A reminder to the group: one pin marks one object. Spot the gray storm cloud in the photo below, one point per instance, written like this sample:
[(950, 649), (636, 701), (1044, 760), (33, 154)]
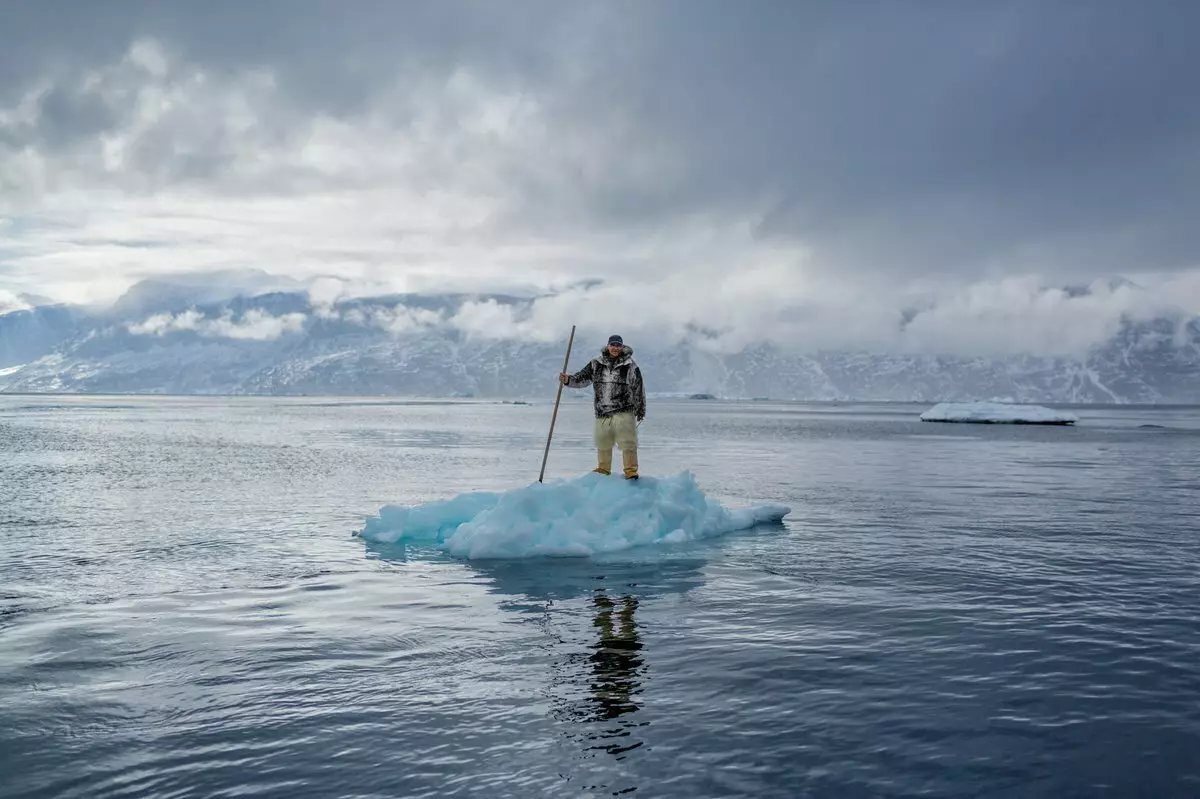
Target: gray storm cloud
[(807, 171)]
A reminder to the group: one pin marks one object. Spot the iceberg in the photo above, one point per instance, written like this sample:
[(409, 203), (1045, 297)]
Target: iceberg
[(996, 413), (580, 517)]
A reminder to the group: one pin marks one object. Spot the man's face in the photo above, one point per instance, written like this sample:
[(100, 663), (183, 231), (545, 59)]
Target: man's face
[(614, 350)]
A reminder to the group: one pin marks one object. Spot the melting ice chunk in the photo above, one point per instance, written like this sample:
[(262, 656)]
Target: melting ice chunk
[(578, 517)]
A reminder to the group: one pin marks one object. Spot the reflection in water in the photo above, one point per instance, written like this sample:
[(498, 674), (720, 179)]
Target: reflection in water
[(616, 671), (595, 647), (592, 613), (597, 689)]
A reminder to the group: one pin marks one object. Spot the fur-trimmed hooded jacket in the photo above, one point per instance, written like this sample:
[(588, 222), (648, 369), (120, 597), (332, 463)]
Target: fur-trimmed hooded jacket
[(617, 384)]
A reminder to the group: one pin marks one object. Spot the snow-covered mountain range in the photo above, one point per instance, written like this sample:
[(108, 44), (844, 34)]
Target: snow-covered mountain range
[(170, 337)]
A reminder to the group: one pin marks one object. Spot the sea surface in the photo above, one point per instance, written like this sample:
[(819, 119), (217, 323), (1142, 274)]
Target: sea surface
[(949, 610)]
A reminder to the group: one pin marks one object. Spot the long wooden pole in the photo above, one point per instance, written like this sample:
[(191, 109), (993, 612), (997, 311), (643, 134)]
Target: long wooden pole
[(566, 362)]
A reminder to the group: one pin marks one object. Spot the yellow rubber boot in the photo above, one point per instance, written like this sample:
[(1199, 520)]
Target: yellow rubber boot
[(603, 461), (629, 461)]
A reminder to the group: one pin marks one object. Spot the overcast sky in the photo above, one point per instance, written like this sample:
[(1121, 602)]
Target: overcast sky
[(791, 169)]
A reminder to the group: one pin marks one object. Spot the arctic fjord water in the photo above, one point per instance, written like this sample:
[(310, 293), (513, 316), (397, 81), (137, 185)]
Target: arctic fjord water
[(288, 597)]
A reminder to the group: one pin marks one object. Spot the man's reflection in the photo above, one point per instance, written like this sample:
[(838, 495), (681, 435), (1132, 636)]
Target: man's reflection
[(597, 684), (616, 664)]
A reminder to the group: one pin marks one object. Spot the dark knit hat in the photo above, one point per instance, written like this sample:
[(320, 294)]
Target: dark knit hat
[(615, 339)]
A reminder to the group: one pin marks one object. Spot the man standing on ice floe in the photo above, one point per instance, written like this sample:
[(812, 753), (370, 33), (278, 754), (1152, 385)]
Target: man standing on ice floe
[(620, 403)]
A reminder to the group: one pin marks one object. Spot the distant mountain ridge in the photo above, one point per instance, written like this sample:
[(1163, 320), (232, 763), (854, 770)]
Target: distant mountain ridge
[(161, 339)]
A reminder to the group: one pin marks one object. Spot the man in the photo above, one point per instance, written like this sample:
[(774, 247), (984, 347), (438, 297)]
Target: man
[(620, 403)]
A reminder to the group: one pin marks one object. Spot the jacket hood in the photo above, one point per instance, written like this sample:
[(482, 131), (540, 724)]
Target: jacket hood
[(626, 353)]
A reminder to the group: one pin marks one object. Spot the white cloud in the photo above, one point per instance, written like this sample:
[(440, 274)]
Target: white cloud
[(162, 324), (323, 294), (775, 301), (10, 302), (254, 325), (258, 326), (400, 319), (458, 181), (209, 171)]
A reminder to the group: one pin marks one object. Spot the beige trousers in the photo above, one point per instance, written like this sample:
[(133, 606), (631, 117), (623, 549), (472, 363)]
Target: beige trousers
[(619, 429)]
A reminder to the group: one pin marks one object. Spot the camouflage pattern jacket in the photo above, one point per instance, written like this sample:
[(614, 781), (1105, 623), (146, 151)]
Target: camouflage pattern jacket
[(617, 384)]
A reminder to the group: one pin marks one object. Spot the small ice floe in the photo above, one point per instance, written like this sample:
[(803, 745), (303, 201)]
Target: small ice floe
[(996, 413), (579, 517)]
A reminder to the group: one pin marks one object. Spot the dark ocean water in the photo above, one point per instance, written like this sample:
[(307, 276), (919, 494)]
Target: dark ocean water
[(949, 610)]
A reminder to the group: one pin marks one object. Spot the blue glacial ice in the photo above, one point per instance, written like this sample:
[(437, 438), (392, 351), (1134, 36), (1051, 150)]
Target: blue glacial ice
[(579, 517)]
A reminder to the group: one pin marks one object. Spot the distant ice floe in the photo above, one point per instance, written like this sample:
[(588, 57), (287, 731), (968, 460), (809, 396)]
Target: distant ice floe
[(996, 413), (584, 516)]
